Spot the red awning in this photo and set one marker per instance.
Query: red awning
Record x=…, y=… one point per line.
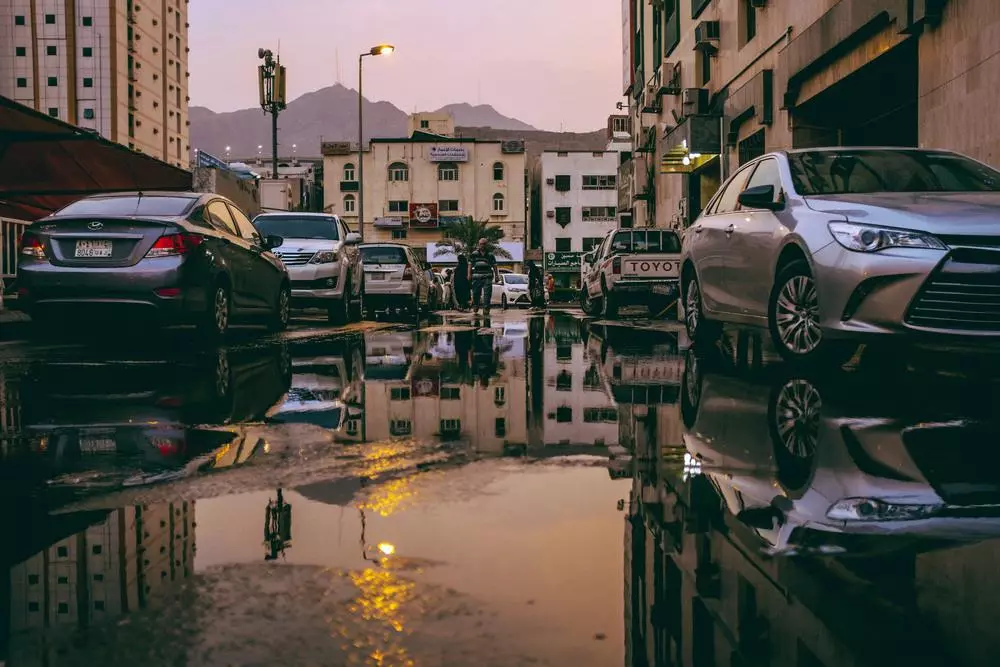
x=46, y=164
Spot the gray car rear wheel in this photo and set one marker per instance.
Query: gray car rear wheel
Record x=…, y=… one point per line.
x=698, y=328
x=215, y=321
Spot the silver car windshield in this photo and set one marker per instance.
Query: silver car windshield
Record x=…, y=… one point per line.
x=293, y=227
x=834, y=172
x=155, y=205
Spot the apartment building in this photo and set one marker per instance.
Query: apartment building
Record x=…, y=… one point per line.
x=416, y=186
x=117, y=67
x=712, y=84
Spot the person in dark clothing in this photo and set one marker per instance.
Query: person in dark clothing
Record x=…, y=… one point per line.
x=460, y=283
x=536, y=287
x=482, y=273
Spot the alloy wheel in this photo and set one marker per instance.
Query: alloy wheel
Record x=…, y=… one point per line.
x=796, y=418
x=221, y=305
x=692, y=307
x=222, y=374
x=283, y=307
x=796, y=315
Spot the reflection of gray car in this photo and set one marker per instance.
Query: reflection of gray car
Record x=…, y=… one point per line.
x=827, y=247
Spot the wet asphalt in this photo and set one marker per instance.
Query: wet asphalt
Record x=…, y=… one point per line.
x=532, y=489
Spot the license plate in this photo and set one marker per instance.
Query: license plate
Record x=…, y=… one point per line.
x=96, y=445
x=93, y=249
x=375, y=276
x=665, y=289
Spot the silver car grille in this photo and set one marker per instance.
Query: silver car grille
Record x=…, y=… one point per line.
x=969, y=302
x=295, y=258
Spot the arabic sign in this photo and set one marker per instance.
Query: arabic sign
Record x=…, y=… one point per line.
x=423, y=216
x=208, y=160
x=391, y=221
x=562, y=261
x=449, y=154
x=425, y=383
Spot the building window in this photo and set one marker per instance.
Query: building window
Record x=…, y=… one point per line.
x=87, y=21
x=591, y=242
x=451, y=426
x=564, y=381
x=600, y=182
x=399, y=206
x=398, y=172
x=498, y=203
x=20, y=51
x=451, y=393
x=562, y=183
x=564, y=215
x=348, y=203
x=564, y=414
x=448, y=205
x=564, y=353
x=447, y=171
x=400, y=427
x=88, y=82
x=705, y=67
x=22, y=82
x=349, y=172
x=747, y=22
x=500, y=427
x=599, y=213
x=54, y=112
x=498, y=171
x=399, y=394
x=19, y=20
x=51, y=50
x=563, y=244
x=50, y=19
x=499, y=395
x=88, y=114
x=53, y=82
x=398, y=234
x=425, y=124
x=88, y=52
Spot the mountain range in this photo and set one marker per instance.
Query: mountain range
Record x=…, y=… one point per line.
x=328, y=114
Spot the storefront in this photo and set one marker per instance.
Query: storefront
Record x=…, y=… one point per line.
x=693, y=149
x=564, y=267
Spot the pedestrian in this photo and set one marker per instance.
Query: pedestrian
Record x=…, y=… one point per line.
x=536, y=288
x=460, y=283
x=550, y=284
x=482, y=274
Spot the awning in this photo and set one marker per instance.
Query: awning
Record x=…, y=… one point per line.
x=693, y=143
x=46, y=164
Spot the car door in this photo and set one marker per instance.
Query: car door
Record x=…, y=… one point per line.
x=233, y=249
x=753, y=246
x=265, y=274
x=594, y=273
x=710, y=246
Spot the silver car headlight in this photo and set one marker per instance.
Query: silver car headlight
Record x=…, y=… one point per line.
x=324, y=257
x=868, y=238
x=873, y=509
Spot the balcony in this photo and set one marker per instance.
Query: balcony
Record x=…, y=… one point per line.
x=348, y=186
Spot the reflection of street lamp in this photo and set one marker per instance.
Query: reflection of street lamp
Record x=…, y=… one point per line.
x=385, y=549
x=277, y=527
x=228, y=149
x=380, y=50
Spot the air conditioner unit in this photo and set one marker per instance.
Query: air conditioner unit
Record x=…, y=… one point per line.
x=758, y=4
x=694, y=101
x=669, y=78
x=706, y=35
x=550, y=181
x=550, y=214
x=651, y=98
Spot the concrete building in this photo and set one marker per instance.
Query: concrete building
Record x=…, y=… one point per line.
x=117, y=67
x=712, y=84
x=418, y=185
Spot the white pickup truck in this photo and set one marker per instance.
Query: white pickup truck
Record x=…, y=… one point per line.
x=631, y=267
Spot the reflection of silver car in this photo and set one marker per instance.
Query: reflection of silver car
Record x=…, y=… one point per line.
x=825, y=246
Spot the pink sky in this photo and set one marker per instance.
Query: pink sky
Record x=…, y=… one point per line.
x=551, y=63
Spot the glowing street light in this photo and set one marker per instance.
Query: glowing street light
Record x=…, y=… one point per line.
x=377, y=50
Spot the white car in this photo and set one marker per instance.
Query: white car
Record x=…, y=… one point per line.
x=394, y=280
x=631, y=267
x=511, y=290
x=322, y=259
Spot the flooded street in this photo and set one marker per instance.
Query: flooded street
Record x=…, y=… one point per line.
x=530, y=490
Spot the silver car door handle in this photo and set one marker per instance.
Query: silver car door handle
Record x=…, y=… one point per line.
x=730, y=229
x=698, y=229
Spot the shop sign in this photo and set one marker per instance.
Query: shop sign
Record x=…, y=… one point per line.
x=423, y=216
x=393, y=221
x=449, y=154
x=563, y=261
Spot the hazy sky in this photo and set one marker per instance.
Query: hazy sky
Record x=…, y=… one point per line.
x=550, y=63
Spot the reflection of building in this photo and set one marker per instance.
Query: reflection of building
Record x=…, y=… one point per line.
x=416, y=186
x=98, y=575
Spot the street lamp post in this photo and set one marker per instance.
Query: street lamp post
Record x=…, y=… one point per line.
x=380, y=50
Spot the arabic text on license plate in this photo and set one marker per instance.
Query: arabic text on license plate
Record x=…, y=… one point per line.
x=667, y=289
x=96, y=445
x=93, y=249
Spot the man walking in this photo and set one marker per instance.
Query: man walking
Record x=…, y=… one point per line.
x=482, y=273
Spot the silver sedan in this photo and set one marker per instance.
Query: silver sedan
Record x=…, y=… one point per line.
x=835, y=246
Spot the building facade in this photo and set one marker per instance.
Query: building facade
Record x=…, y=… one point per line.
x=712, y=84
x=117, y=67
x=416, y=186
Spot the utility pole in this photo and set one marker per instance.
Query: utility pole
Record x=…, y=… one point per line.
x=271, y=85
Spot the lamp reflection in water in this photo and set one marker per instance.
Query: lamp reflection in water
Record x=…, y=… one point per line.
x=277, y=527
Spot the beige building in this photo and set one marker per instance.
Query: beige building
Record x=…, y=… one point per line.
x=118, y=67
x=416, y=186
x=714, y=83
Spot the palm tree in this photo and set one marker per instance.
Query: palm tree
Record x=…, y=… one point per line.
x=464, y=234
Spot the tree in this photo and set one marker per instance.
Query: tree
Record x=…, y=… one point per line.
x=464, y=235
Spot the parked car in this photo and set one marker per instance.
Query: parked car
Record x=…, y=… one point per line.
x=835, y=246
x=394, y=280
x=445, y=289
x=178, y=257
x=631, y=267
x=511, y=290
x=436, y=299
x=322, y=259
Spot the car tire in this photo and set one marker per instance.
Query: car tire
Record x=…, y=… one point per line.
x=215, y=322
x=358, y=306
x=282, y=309
x=609, y=304
x=699, y=328
x=587, y=304
x=503, y=302
x=416, y=310
x=338, y=311
x=795, y=330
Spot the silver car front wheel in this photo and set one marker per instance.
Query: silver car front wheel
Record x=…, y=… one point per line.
x=796, y=315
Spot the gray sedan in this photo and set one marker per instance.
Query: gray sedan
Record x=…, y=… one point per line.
x=170, y=257
x=835, y=246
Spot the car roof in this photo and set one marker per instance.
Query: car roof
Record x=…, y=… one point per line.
x=848, y=149
x=147, y=193
x=297, y=214
x=383, y=244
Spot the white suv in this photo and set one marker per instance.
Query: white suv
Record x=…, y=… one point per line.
x=323, y=261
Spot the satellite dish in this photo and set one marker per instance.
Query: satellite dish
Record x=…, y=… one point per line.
x=260, y=53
